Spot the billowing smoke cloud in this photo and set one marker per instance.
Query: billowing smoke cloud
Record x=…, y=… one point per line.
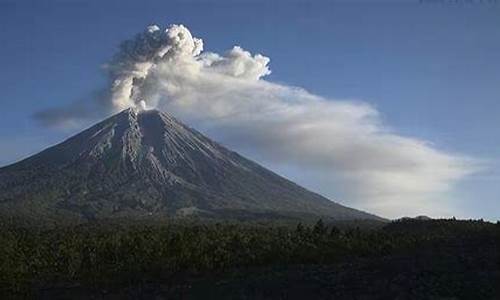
x=342, y=144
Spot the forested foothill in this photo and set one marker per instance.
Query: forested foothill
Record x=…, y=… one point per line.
x=403, y=259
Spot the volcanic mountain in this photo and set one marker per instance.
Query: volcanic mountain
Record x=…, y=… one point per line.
x=144, y=164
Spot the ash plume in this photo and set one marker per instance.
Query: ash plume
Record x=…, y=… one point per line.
x=341, y=143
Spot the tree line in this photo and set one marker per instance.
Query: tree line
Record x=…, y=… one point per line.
x=97, y=255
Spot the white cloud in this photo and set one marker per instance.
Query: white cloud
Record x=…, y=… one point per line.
x=226, y=97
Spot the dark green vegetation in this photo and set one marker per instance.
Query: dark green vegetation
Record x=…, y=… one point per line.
x=408, y=259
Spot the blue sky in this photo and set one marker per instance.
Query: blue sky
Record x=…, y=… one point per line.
x=431, y=68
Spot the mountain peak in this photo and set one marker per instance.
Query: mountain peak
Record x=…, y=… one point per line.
x=145, y=162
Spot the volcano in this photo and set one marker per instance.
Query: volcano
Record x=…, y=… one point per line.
x=144, y=164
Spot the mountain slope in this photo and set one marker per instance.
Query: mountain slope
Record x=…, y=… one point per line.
x=137, y=164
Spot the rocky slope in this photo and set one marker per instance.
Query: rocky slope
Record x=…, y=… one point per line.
x=146, y=164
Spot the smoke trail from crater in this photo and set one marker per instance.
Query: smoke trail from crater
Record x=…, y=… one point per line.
x=343, y=144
